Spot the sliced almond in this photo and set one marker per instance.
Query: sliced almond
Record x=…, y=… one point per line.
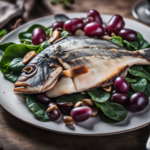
x=106, y=37
x=51, y=108
x=113, y=34
x=107, y=88
x=55, y=35
x=78, y=104
x=88, y=101
x=68, y=120
x=79, y=32
x=29, y=56
x=94, y=111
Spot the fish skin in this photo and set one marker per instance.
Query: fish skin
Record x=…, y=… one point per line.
x=66, y=54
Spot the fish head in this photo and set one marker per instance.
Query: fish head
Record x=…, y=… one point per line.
x=38, y=76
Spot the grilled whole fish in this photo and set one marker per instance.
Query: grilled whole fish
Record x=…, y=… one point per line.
x=77, y=64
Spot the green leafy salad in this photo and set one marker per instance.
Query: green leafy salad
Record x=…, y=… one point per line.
x=138, y=76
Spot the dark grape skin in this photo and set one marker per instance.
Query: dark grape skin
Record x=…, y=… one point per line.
x=80, y=114
x=115, y=24
x=121, y=85
x=73, y=24
x=88, y=20
x=38, y=36
x=120, y=98
x=43, y=99
x=106, y=32
x=54, y=114
x=94, y=29
x=66, y=109
x=51, y=104
x=57, y=24
x=128, y=34
x=95, y=14
x=138, y=101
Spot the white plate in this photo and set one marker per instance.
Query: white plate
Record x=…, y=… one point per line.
x=15, y=104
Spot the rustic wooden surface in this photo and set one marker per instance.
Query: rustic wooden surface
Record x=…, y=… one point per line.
x=17, y=135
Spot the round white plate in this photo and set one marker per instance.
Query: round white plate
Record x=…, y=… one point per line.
x=15, y=104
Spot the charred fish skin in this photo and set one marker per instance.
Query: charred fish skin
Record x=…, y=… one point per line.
x=44, y=75
x=68, y=53
x=103, y=69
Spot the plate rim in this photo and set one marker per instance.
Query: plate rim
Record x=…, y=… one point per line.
x=64, y=132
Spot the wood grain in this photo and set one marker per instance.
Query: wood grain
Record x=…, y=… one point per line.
x=17, y=135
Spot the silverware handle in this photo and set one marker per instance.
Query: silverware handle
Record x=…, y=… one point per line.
x=148, y=143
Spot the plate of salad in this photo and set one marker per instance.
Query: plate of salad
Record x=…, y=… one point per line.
x=78, y=73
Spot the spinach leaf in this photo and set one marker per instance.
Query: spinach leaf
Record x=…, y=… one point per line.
x=131, y=45
x=113, y=110
x=117, y=40
x=99, y=95
x=3, y=32
x=38, y=109
x=72, y=97
x=12, y=52
x=140, y=85
x=147, y=90
x=16, y=64
x=130, y=92
x=130, y=80
x=43, y=46
x=5, y=45
x=142, y=73
x=138, y=68
x=142, y=42
x=64, y=33
x=49, y=32
x=28, y=34
x=147, y=68
x=106, y=119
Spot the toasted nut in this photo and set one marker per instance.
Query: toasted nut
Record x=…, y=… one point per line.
x=68, y=120
x=28, y=57
x=107, y=88
x=78, y=104
x=54, y=36
x=51, y=108
x=79, y=32
x=106, y=37
x=88, y=101
x=94, y=111
x=113, y=34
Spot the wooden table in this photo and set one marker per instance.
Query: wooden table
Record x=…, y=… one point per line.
x=17, y=135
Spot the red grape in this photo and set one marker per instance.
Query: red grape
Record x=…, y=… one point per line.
x=121, y=85
x=120, y=98
x=54, y=114
x=38, y=36
x=115, y=24
x=73, y=24
x=88, y=20
x=80, y=114
x=138, y=101
x=43, y=99
x=95, y=14
x=106, y=32
x=57, y=24
x=94, y=29
x=128, y=34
